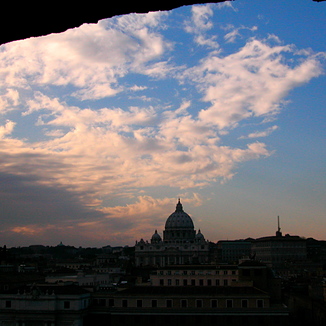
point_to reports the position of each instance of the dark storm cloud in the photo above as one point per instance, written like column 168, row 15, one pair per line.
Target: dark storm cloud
column 24, row 201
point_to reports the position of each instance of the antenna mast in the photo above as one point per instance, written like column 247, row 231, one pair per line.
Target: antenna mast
column 278, row 232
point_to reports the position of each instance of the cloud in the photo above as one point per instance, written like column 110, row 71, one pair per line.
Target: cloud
column 77, row 150
column 200, row 23
column 200, row 19
column 100, row 152
column 249, row 83
column 92, row 57
column 235, row 32
column 9, row 100
column 7, row 128
column 259, row 134
column 140, row 214
column 37, row 202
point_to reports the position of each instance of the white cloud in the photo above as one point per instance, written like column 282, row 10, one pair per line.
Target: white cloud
column 259, row 134
column 9, row 100
column 7, row 128
column 235, row 32
column 201, row 23
column 249, row 83
column 201, row 17
column 92, row 57
column 111, row 150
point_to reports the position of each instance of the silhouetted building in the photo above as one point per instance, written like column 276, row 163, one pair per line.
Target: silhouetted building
column 43, row 304
column 230, row 251
column 278, row 251
column 188, row 305
column 180, row 244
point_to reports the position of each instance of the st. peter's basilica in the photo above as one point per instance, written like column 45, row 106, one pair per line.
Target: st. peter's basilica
column 180, row 244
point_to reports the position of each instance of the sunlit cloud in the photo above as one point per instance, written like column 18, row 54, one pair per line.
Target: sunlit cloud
column 234, row 33
column 7, row 128
column 200, row 23
column 258, row 134
column 249, row 83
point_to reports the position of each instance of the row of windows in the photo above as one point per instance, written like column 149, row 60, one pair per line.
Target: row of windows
column 158, row 247
column 66, row 304
column 280, row 245
column 194, row 282
column 229, row 303
column 218, row 272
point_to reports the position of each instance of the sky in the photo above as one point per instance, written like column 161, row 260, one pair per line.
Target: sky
column 103, row 127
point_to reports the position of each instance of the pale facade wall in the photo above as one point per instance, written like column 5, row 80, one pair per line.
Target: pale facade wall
column 195, row 277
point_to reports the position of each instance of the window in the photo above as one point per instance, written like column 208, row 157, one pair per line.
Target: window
column 66, row 304
column 8, row 304
column 185, row 282
column 217, row 282
column 225, row 272
column 199, row 303
column 169, row 281
column 161, row 281
column 214, row 303
column 244, row 303
column 184, row 303
column 201, row 282
column 111, row 302
column 229, row 303
column 169, row 303
column 209, row 282
column 260, row 303
column 139, row 303
column 177, row 282
column 225, row 282
column 124, row 303
column 154, row 303
column 193, row 282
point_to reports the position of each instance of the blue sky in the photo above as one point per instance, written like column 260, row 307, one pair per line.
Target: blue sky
column 103, row 127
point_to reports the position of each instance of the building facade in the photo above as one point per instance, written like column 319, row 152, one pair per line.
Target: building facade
column 188, row 305
column 181, row 244
column 195, row 275
column 278, row 251
column 232, row 251
column 44, row 305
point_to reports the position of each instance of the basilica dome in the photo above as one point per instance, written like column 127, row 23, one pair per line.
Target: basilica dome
column 179, row 219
